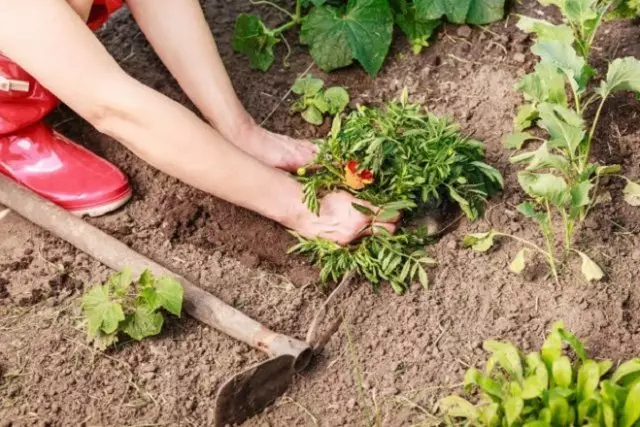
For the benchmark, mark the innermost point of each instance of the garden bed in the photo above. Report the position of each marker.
(410, 349)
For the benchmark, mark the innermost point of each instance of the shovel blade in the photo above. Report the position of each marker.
(252, 390)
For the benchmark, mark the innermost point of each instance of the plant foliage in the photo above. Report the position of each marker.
(314, 101)
(132, 308)
(559, 177)
(547, 388)
(401, 159)
(343, 31)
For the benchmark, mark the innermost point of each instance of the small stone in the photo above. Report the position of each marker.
(351, 403)
(148, 367)
(452, 245)
(148, 376)
(464, 31)
(519, 57)
(635, 255)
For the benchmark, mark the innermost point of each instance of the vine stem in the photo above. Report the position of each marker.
(275, 6)
(284, 27)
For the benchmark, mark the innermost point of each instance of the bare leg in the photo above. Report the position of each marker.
(181, 37)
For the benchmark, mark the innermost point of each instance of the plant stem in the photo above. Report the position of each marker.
(585, 154)
(548, 234)
(568, 231)
(284, 27)
(298, 15)
(275, 6)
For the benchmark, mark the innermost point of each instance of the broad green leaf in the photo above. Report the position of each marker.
(613, 394)
(480, 242)
(337, 99)
(631, 412)
(580, 195)
(552, 347)
(313, 115)
(623, 74)
(120, 282)
(144, 322)
(563, 56)
(608, 415)
(519, 262)
(527, 209)
(627, 372)
(457, 407)
(462, 11)
(545, 30)
(546, 186)
(169, 295)
(564, 126)
(488, 414)
(146, 279)
(474, 377)
(307, 85)
(319, 102)
(362, 31)
(253, 39)
(417, 29)
(542, 159)
(605, 366)
(632, 193)
(561, 371)
(507, 356)
(513, 407)
(537, 381)
(574, 342)
(517, 140)
(590, 270)
(588, 379)
(580, 11)
(560, 412)
(525, 116)
(101, 311)
(103, 341)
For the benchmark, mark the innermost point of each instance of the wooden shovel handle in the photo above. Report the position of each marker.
(111, 252)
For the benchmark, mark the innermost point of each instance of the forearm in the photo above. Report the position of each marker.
(180, 35)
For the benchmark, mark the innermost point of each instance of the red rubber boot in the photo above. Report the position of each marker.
(47, 163)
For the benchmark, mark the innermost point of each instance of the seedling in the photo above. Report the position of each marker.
(315, 102)
(134, 309)
(403, 160)
(559, 177)
(341, 31)
(547, 388)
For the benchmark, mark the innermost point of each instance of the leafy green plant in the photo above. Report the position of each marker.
(559, 177)
(547, 388)
(341, 31)
(132, 308)
(626, 9)
(403, 160)
(315, 102)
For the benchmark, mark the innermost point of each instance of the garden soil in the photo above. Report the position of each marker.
(395, 355)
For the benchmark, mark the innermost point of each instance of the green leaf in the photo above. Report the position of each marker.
(517, 140)
(608, 170)
(457, 407)
(627, 372)
(588, 380)
(546, 186)
(423, 277)
(101, 311)
(507, 356)
(144, 322)
(146, 279)
(253, 39)
(623, 74)
(632, 193)
(564, 57)
(363, 209)
(579, 11)
(574, 342)
(473, 377)
(580, 194)
(552, 347)
(120, 282)
(631, 412)
(559, 409)
(561, 371)
(362, 31)
(417, 29)
(480, 242)
(604, 366)
(337, 99)
(564, 125)
(542, 159)
(103, 341)
(313, 115)
(513, 407)
(545, 30)
(307, 85)
(525, 116)
(590, 270)
(518, 263)
(169, 295)
(527, 209)
(477, 12)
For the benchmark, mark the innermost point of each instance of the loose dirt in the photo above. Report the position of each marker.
(395, 356)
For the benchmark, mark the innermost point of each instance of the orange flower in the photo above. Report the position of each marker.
(356, 178)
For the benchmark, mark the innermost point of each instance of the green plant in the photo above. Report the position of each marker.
(341, 31)
(547, 388)
(626, 9)
(559, 177)
(315, 102)
(401, 159)
(117, 306)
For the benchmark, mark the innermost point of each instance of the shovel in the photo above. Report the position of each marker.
(247, 393)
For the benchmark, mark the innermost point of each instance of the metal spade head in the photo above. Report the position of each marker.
(252, 390)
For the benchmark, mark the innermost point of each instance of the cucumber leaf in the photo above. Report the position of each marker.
(477, 12)
(252, 38)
